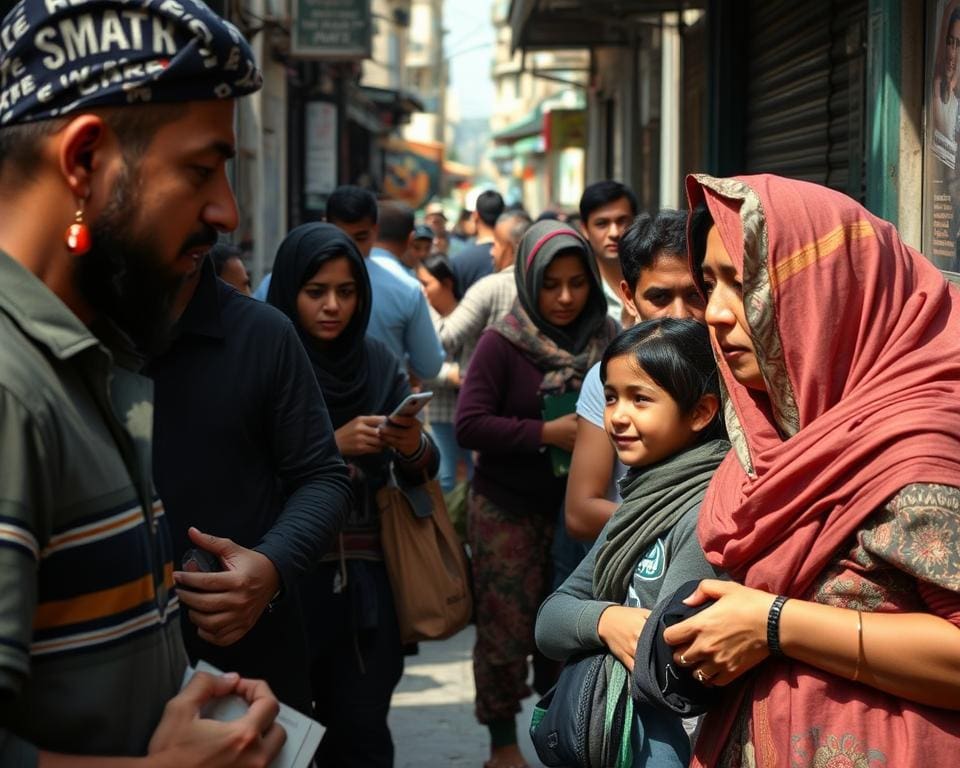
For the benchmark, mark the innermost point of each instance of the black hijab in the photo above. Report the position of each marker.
(347, 369)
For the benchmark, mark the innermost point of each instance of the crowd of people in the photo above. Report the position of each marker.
(756, 395)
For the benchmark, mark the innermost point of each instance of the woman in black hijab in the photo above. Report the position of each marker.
(320, 282)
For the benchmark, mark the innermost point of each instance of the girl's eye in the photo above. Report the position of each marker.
(345, 293)
(708, 287)
(641, 399)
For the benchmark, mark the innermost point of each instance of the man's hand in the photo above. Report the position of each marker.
(360, 436)
(184, 739)
(620, 629)
(225, 605)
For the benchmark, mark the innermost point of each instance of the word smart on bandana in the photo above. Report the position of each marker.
(60, 56)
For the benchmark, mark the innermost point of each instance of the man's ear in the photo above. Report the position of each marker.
(626, 295)
(80, 147)
(704, 412)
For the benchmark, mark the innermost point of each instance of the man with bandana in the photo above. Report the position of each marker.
(116, 120)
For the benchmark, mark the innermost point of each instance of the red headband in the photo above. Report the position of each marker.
(549, 236)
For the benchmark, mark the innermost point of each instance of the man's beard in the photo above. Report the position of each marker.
(123, 277)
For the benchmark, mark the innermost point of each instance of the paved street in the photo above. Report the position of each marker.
(432, 712)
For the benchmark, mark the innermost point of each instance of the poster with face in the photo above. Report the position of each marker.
(941, 205)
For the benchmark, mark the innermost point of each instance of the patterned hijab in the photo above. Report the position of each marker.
(858, 340)
(564, 354)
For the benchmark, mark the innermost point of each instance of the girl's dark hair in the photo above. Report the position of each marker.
(677, 355)
(438, 265)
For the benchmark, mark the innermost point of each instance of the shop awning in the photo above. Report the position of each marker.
(529, 125)
(394, 100)
(580, 23)
(532, 145)
(457, 170)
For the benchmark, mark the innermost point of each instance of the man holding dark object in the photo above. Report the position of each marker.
(246, 463)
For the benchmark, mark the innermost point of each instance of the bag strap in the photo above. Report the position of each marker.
(615, 689)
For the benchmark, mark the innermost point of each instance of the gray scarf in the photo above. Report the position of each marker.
(654, 500)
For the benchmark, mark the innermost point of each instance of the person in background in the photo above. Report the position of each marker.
(435, 218)
(354, 210)
(607, 208)
(491, 297)
(837, 514)
(420, 247)
(470, 264)
(109, 199)
(463, 232)
(399, 316)
(656, 283)
(228, 264)
(556, 330)
(395, 234)
(439, 285)
(441, 243)
(320, 283)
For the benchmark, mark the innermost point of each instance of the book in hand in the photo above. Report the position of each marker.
(555, 406)
(303, 734)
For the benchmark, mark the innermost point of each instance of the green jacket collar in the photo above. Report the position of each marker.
(40, 313)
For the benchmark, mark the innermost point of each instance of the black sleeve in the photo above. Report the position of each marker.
(314, 477)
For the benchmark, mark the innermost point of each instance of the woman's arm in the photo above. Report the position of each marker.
(587, 508)
(480, 424)
(915, 656)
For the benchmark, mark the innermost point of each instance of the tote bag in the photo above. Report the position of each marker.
(425, 562)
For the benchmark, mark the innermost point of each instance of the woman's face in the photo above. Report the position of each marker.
(725, 315)
(565, 290)
(328, 300)
(439, 293)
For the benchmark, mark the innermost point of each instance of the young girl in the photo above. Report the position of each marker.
(320, 282)
(662, 401)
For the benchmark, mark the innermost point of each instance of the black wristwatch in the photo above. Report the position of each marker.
(773, 626)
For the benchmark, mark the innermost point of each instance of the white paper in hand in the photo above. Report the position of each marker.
(303, 734)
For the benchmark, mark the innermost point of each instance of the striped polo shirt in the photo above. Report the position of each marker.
(90, 649)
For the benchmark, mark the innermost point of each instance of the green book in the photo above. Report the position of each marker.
(555, 406)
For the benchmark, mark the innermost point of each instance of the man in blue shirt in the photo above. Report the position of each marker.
(399, 316)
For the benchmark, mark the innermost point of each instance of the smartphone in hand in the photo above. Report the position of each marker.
(411, 405)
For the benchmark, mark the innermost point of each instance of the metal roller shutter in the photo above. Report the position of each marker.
(805, 113)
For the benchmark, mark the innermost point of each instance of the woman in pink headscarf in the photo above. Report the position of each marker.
(838, 511)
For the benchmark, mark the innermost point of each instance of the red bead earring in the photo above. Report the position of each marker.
(77, 235)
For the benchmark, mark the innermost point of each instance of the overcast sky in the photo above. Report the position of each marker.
(468, 46)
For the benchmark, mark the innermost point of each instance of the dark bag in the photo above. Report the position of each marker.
(425, 562)
(657, 679)
(585, 720)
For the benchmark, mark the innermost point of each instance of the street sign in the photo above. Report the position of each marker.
(331, 29)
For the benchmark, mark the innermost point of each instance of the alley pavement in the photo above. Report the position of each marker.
(431, 715)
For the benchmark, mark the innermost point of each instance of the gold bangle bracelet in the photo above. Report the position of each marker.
(856, 671)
